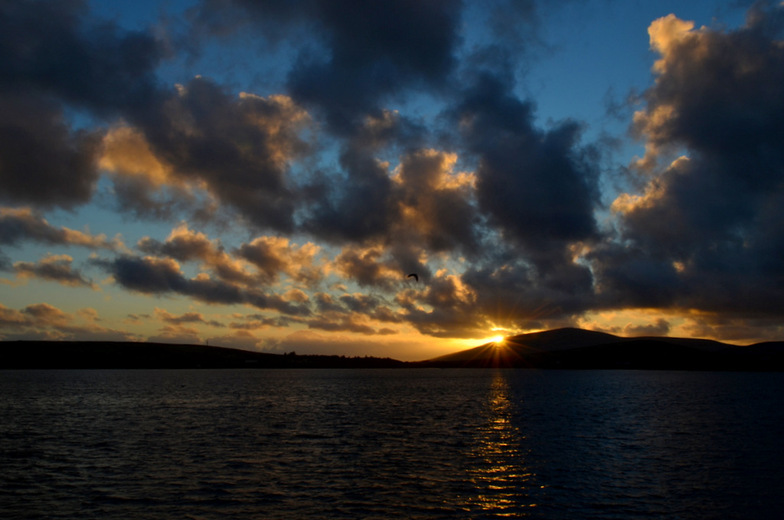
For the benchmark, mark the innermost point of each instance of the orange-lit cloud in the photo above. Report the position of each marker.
(22, 224)
(45, 321)
(55, 268)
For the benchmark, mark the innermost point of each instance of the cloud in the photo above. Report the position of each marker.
(437, 205)
(540, 187)
(369, 267)
(365, 59)
(705, 233)
(334, 322)
(56, 268)
(362, 54)
(660, 327)
(358, 313)
(18, 225)
(47, 322)
(274, 256)
(177, 334)
(262, 261)
(238, 148)
(96, 67)
(188, 317)
(43, 162)
(357, 206)
(151, 275)
(184, 244)
(143, 183)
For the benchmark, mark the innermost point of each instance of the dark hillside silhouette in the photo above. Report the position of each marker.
(571, 348)
(100, 354)
(567, 348)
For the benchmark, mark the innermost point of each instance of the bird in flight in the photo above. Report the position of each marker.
(414, 276)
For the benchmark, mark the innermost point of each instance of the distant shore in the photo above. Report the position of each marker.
(130, 355)
(558, 349)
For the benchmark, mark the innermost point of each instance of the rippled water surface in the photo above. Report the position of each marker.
(291, 444)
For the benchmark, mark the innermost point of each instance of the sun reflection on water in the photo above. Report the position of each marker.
(497, 467)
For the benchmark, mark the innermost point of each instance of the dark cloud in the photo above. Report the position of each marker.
(151, 275)
(182, 246)
(55, 58)
(539, 186)
(365, 52)
(341, 323)
(356, 207)
(361, 303)
(139, 197)
(633, 277)
(326, 303)
(42, 161)
(265, 254)
(660, 327)
(240, 147)
(18, 225)
(147, 275)
(373, 50)
(55, 268)
(52, 48)
(277, 256)
(222, 17)
(368, 267)
(440, 204)
(452, 313)
(706, 232)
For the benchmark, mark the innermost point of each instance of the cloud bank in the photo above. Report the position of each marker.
(394, 141)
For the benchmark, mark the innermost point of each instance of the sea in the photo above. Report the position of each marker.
(398, 443)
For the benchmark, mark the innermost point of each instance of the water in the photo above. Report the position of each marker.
(419, 443)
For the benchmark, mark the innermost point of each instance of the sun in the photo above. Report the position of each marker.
(498, 339)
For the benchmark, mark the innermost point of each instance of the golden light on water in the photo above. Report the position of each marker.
(503, 481)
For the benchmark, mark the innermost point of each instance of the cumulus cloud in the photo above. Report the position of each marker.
(361, 58)
(357, 205)
(660, 327)
(366, 60)
(239, 148)
(262, 261)
(144, 184)
(184, 244)
(188, 317)
(437, 206)
(369, 266)
(705, 232)
(274, 256)
(152, 275)
(55, 268)
(18, 225)
(96, 67)
(540, 187)
(63, 176)
(396, 140)
(47, 322)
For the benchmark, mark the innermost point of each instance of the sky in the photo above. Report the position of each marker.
(265, 175)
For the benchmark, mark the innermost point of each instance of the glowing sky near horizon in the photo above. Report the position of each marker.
(265, 175)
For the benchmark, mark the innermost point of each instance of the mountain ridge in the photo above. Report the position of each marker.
(566, 348)
(572, 348)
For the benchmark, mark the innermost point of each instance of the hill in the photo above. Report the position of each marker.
(571, 348)
(107, 354)
(566, 348)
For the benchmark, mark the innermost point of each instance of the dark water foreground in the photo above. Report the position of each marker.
(404, 443)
